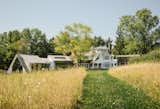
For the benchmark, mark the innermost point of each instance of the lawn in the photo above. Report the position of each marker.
(102, 91)
(41, 90)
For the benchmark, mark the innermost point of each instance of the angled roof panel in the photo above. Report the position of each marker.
(34, 59)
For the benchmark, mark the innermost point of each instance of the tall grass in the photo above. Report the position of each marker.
(41, 90)
(144, 76)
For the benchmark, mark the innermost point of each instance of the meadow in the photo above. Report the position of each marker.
(41, 90)
(135, 86)
(144, 76)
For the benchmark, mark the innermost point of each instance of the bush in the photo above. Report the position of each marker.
(153, 56)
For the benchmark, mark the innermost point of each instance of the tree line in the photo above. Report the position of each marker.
(136, 34)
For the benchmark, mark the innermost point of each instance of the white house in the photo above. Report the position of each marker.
(100, 58)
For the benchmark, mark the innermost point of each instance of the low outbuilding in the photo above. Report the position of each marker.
(27, 63)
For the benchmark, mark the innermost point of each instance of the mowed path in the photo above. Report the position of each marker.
(102, 91)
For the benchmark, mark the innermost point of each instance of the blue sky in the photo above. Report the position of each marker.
(52, 15)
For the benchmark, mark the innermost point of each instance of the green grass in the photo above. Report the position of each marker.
(102, 91)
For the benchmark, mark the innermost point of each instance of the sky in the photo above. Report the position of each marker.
(51, 16)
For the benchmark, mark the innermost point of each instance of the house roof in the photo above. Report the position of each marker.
(33, 59)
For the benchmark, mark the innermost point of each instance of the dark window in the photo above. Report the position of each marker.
(60, 58)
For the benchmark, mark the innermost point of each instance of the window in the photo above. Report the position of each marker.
(107, 57)
(60, 58)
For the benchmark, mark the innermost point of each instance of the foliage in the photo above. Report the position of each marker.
(98, 41)
(102, 91)
(37, 42)
(137, 33)
(109, 45)
(51, 48)
(153, 56)
(119, 47)
(41, 90)
(28, 41)
(144, 76)
(74, 41)
(11, 43)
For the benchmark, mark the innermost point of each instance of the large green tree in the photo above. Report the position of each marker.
(11, 43)
(36, 42)
(136, 32)
(98, 41)
(74, 41)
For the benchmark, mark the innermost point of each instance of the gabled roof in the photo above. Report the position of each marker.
(34, 59)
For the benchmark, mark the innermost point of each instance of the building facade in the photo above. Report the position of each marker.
(100, 59)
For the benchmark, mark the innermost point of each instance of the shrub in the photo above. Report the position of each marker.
(153, 56)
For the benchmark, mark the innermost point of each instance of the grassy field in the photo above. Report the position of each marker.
(144, 76)
(41, 90)
(127, 87)
(102, 91)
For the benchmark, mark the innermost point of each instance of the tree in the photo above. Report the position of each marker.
(98, 41)
(51, 46)
(62, 43)
(119, 47)
(136, 31)
(108, 43)
(11, 43)
(36, 42)
(27, 42)
(74, 41)
(156, 34)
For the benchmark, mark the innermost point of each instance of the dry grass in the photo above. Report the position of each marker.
(145, 76)
(42, 90)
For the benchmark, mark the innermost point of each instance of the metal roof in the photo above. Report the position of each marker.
(34, 59)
